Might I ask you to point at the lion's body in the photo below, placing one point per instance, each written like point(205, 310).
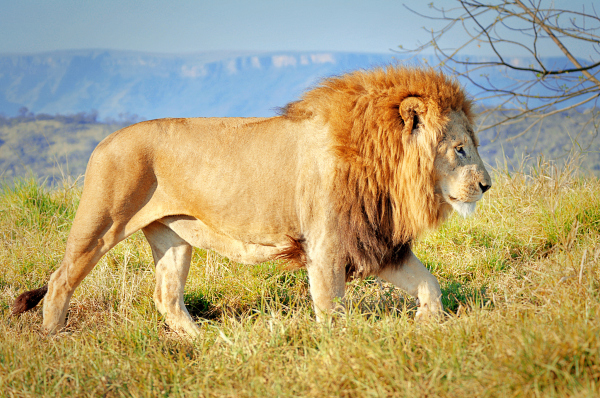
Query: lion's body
point(341, 183)
point(238, 178)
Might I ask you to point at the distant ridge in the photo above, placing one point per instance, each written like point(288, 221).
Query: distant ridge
point(149, 85)
point(164, 85)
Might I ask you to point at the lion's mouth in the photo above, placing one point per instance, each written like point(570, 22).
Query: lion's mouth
point(451, 199)
point(463, 208)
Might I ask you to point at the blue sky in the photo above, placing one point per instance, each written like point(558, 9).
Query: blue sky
point(183, 26)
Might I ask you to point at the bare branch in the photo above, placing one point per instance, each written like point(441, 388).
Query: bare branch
point(559, 43)
point(536, 88)
point(550, 114)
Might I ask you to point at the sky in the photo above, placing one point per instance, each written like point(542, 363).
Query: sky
point(185, 26)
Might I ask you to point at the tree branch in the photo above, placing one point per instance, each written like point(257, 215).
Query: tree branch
point(559, 44)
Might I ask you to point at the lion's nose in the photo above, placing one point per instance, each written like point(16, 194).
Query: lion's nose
point(484, 188)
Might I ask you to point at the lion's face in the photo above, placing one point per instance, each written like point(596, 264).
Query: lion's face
point(461, 176)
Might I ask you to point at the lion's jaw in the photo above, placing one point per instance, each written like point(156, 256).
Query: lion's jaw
point(465, 209)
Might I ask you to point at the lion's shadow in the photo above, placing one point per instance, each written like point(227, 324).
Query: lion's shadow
point(200, 307)
point(455, 294)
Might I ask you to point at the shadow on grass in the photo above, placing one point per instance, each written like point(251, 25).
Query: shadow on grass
point(290, 293)
point(200, 307)
point(455, 294)
point(281, 292)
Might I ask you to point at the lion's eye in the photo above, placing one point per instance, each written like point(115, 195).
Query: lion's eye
point(460, 150)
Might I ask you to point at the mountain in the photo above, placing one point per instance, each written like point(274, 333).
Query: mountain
point(153, 85)
point(115, 83)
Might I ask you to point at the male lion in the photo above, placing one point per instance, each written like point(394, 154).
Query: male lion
point(341, 182)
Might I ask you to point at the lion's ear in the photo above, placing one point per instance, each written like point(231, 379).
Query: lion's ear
point(412, 110)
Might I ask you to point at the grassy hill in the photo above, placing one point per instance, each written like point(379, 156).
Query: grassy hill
point(556, 137)
point(54, 147)
point(520, 282)
point(50, 147)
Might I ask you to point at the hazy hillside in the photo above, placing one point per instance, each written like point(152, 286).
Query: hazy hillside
point(54, 146)
point(556, 137)
point(49, 147)
point(114, 87)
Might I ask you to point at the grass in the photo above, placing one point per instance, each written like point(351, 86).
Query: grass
point(520, 282)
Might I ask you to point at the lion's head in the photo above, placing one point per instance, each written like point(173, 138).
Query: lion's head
point(461, 177)
point(406, 155)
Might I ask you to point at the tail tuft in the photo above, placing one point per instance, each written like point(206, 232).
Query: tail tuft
point(29, 300)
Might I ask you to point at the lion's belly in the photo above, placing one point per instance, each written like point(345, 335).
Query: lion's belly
point(252, 210)
point(198, 234)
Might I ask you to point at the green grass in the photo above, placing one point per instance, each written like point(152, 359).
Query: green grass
point(520, 282)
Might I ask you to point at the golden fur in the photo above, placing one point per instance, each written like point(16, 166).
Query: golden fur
point(342, 183)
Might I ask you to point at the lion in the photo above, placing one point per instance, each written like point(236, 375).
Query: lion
point(341, 182)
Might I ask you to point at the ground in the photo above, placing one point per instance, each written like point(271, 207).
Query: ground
point(520, 284)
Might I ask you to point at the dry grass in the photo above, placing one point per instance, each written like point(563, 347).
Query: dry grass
point(520, 283)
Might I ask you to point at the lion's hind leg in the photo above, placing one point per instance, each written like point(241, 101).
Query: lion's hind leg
point(172, 256)
point(87, 243)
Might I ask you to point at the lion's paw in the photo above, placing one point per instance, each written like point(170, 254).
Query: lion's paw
point(429, 312)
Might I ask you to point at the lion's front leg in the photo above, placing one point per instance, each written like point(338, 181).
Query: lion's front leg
point(412, 277)
point(327, 285)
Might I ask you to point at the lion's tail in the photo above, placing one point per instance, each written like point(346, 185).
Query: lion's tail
point(29, 300)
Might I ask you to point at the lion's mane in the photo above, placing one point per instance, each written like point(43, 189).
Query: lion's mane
point(385, 177)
